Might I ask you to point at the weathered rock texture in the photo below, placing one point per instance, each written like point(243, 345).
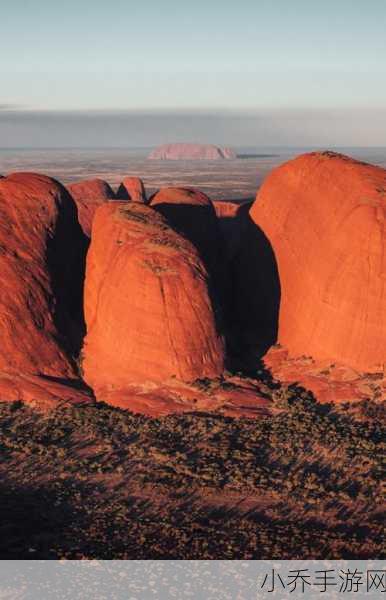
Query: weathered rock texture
point(148, 308)
point(41, 264)
point(132, 188)
point(89, 195)
point(191, 152)
point(325, 216)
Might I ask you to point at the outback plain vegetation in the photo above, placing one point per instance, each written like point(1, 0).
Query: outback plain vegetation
point(96, 481)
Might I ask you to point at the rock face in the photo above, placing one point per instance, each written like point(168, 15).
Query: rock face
point(255, 291)
point(324, 215)
point(42, 251)
point(232, 219)
point(42, 393)
point(251, 292)
point(191, 213)
point(191, 152)
point(132, 188)
point(234, 396)
point(148, 308)
point(225, 209)
point(88, 195)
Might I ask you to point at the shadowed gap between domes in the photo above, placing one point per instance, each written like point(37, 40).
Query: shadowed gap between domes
point(256, 295)
point(66, 261)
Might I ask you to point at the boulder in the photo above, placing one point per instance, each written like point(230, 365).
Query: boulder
point(148, 307)
point(132, 188)
point(42, 253)
point(324, 216)
point(191, 152)
point(88, 195)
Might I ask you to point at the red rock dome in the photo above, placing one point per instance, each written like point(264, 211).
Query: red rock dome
point(42, 252)
point(181, 196)
point(324, 215)
point(148, 307)
point(88, 195)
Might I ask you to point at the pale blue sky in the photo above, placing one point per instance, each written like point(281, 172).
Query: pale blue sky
point(246, 55)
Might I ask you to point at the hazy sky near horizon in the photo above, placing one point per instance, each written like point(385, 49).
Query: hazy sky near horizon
point(253, 72)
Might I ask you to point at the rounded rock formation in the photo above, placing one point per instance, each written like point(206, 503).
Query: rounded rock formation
point(324, 215)
point(191, 152)
point(132, 188)
point(149, 313)
point(42, 251)
point(89, 195)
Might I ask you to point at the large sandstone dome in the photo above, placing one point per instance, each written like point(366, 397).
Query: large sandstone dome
point(191, 152)
point(89, 194)
point(148, 308)
point(41, 264)
point(324, 215)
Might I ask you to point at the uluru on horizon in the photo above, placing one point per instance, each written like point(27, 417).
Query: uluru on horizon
point(188, 151)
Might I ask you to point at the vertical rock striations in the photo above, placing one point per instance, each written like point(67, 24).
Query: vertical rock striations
point(149, 312)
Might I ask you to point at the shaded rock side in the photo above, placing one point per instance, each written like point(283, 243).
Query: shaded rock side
point(192, 214)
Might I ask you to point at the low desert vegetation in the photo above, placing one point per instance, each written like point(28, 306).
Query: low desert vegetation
point(95, 481)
